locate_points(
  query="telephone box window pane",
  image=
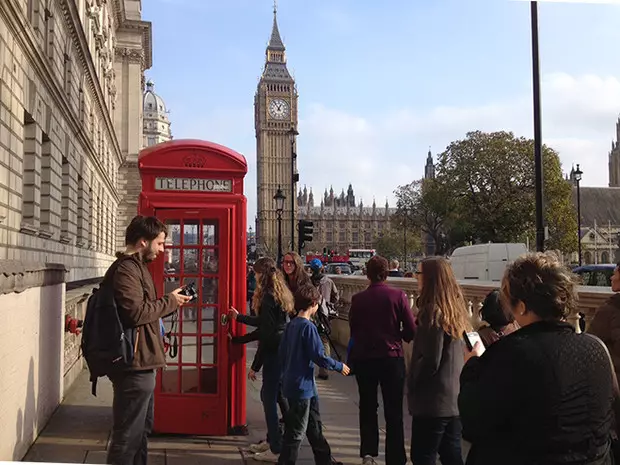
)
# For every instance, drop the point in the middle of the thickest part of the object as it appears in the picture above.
(208, 380)
(190, 232)
(208, 320)
(209, 233)
(209, 290)
(189, 379)
(171, 361)
(210, 264)
(188, 323)
(174, 232)
(190, 261)
(173, 261)
(170, 379)
(208, 351)
(188, 354)
(171, 283)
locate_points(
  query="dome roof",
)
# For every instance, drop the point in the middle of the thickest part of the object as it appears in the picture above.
(152, 101)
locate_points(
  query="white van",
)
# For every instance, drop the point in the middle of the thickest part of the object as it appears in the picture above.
(485, 262)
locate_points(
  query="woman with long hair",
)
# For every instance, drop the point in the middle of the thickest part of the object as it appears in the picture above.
(542, 394)
(293, 267)
(436, 363)
(272, 302)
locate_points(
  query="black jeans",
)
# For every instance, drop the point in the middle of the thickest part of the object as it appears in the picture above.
(303, 418)
(389, 373)
(132, 410)
(430, 436)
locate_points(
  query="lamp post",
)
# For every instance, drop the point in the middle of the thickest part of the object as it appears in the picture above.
(577, 177)
(294, 178)
(538, 165)
(279, 198)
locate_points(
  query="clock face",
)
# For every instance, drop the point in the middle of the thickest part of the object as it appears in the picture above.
(278, 108)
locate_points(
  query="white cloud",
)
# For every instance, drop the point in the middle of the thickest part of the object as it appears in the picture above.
(378, 152)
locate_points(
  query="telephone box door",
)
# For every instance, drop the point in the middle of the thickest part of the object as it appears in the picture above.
(192, 391)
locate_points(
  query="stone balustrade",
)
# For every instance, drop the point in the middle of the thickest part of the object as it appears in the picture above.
(590, 298)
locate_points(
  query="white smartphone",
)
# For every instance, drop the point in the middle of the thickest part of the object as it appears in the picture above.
(471, 339)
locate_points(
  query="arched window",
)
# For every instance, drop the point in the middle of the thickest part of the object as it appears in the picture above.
(605, 257)
(587, 258)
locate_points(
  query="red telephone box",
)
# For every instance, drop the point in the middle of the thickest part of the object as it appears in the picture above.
(196, 188)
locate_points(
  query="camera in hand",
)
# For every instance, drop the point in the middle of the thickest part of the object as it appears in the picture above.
(189, 290)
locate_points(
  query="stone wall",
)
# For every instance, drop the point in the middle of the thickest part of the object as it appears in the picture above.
(32, 301)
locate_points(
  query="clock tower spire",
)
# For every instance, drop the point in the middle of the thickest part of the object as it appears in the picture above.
(275, 118)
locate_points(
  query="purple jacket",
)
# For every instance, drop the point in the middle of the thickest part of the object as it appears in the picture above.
(380, 319)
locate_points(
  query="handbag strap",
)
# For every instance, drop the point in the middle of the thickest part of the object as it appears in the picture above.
(616, 388)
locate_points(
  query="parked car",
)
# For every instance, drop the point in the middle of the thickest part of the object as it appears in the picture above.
(595, 275)
(330, 268)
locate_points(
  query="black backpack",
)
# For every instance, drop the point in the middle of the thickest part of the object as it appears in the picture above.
(106, 345)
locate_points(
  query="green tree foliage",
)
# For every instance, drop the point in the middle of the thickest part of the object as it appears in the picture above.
(391, 243)
(484, 191)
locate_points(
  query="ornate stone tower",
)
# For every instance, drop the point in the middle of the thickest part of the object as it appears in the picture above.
(275, 115)
(614, 159)
(156, 127)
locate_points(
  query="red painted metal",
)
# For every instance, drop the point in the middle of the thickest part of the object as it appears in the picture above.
(202, 391)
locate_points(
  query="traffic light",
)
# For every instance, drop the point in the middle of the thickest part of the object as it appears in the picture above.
(305, 233)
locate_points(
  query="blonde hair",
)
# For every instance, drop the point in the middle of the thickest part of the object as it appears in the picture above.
(441, 300)
(271, 281)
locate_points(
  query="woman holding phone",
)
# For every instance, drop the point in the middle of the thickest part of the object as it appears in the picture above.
(542, 394)
(436, 363)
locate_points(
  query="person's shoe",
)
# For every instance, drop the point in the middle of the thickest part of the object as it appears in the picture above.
(368, 460)
(266, 456)
(262, 446)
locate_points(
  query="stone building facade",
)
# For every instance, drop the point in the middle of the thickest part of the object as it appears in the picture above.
(275, 117)
(339, 223)
(71, 80)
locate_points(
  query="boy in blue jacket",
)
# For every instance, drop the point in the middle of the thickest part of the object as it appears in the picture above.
(300, 349)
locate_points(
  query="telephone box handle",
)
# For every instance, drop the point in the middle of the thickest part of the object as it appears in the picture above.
(224, 319)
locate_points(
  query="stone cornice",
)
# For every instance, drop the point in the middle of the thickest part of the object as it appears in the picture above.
(24, 36)
(144, 28)
(72, 17)
(16, 276)
(132, 55)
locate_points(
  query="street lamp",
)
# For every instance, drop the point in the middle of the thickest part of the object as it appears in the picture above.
(279, 198)
(294, 178)
(577, 177)
(538, 165)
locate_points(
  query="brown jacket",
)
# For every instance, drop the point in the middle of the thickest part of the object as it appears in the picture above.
(139, 307)
(606, 326)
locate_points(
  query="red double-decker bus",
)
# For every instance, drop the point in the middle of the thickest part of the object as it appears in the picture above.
(329, 257)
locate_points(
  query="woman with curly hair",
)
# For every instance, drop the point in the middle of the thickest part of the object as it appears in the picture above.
(542, 394)
(436, 363)
(272, 302)
(293, 267)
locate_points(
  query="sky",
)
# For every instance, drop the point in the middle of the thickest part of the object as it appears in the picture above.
(382, 82)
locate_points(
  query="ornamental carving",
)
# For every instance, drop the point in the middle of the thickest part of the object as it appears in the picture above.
(194, 161)
(132, 55)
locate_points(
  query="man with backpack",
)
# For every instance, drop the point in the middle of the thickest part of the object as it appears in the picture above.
(140, 311)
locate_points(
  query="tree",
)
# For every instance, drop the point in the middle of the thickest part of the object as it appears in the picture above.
(484, 191)
(391, 243)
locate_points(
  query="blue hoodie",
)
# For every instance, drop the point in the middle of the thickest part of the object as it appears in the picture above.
(300, 349)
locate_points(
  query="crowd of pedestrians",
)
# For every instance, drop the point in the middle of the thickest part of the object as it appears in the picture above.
(530, 391)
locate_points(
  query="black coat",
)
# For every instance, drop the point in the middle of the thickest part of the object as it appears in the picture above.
(436, 363)
(541, 395)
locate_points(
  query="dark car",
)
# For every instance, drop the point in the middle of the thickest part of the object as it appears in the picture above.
(345, 268)
(595, 275)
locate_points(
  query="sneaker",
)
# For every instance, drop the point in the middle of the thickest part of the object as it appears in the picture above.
(368, 460)
(262, 446)
(266, 456)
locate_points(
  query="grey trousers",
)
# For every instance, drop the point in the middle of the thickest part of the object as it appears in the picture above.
(132, 410)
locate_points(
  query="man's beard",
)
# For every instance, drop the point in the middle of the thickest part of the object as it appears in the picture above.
(148, 256)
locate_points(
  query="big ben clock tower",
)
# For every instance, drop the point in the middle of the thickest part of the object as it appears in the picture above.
(275, 119)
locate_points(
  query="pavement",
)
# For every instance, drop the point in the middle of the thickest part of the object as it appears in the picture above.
(79, 431)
